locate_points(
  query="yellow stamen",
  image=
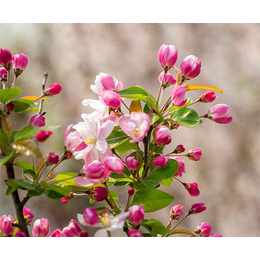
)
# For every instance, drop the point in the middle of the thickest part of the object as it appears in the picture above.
(105, 220)
(135, 133)
(90, 140)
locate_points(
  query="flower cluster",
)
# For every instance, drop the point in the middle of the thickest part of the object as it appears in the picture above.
(118, 144)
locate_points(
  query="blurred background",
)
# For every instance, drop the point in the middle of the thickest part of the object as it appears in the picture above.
(73, 54)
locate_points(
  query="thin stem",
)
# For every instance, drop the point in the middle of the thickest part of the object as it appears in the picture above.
(158, 101)
(125, 105)
(177, 224)
(113, 204)
(128, 202)
(45, 76)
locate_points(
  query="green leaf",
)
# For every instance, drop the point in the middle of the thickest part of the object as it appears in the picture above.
(169, 170)
(20, 184)
(155, 227)
(119, 141)
(9, 93)
(21, 105)
(52, 194)
(153, 118)
(24, 165)
(9, 190)
(114, 195)
(67, 179)
(7, 158)
(153, 180)
(152, 199)
(136, 92)
(64, 191)
(167, 182)
(3, 140)
(125, 146)
(186, 117)
(30, 172)
(34, 193)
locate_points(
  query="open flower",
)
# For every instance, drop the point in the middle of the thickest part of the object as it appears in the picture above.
(107, 221)
(135, 125)
(94, 135)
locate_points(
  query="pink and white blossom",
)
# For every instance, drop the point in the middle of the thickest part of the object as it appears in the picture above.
(94, 135)
(107, 221)
(135, 125)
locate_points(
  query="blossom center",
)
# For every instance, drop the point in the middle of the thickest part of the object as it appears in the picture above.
(105, 220)
(90, 140)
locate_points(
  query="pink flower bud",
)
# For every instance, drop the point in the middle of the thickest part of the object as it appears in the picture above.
(90, 216)
(192, 188)
(181, 167)
(168, 79)
(203, 229)
(114, 164)
(27, 213)
(3, 74)
(53, 158)
(219, 114)
(131, 163)
(162, 135)
(215, 235)
(136, 214)
(56, 233)
(66, 199)
(178, 96)
(20, 62)
(194, 154)
(167, 56)
(99, 193)
(197, 208)
(84, 234)
(131, 191)
(135, 125)
(173, 125)
(161, 161)
(9, 108)
(207, 97)
(6, 225)
(37, 121)
(95, 170)
(179, 149)
(20, 233)
(176, 212)
(111, 98)
(41, 228)
(190, 66)
(134, 233)
(72, 230)
(6, 58)
(53, 89)
(42, 135)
